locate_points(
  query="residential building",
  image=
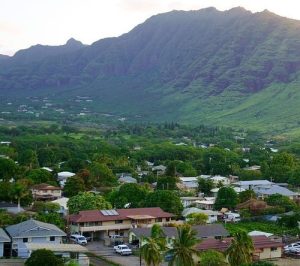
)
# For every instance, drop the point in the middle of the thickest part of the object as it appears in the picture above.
(212, 215)
(207, 203)
(11, 207)
(4, 239)
(63, 176)
(159, 169)
(189, 182)
(101, 224)
(217, 179)
(264, 248)
(46, 192)
(187, 201)
(32, 231)
(127, 179)
(63, 203)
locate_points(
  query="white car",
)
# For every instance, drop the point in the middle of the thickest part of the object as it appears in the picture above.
(123, 250)
(292, 246)
(79, 239)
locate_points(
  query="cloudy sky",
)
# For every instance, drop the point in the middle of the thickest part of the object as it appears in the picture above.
(27, 22)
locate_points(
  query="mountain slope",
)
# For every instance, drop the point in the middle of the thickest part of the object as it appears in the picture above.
(203, 66)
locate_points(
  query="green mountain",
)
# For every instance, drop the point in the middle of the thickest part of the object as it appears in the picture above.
(232, 68)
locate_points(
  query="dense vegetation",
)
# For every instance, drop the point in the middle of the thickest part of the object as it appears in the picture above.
(205, 66)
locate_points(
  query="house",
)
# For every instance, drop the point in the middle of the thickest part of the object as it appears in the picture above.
(215, 191)
(101, 224)
(32, 231)
(159, 169)
(11, 207)
(212, 231)
(63, 176)
(212, 215)
(265, 191)
(252, 168)
(127, 179)
(189, 182)
(187, 201)
(220, 179)
(4, 240)
(207, 203)
(46, 192)
(63, 203)
(264, 248)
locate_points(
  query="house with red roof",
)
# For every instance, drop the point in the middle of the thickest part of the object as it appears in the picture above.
(101, 224)
(264, 247)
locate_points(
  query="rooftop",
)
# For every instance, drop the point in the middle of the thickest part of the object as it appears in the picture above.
(45, 186)
(57, 247)
(3, 236)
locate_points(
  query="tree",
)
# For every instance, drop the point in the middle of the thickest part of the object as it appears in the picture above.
(183, 251)
(8, 169)
(197, 218)
(241, 249)
(132, 193)
(51, 217)
(5, 218)
(19, 191)
(168, 200)
(28, 158)
(246, 195)
(212, 258)
(73, 186)
(101, 175)
(281, 201)
(166, 183)
(205, 185)
(154, 245)
(87, 201)
(39, 176)
(43, 257)
(226, 198)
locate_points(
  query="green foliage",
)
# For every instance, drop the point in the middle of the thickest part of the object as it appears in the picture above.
(197, 218)
(290, 221)
(205, 185)
(87, 201)
(8, 169)
(129, 193)
(212, 258)
(73, 186)
(167, 200)
(101, 175)
(281, 201)
(39, 176)
(166, 183)
(226, 198)
(52, 218)
(246, 195)
(183, 250)
(43, 257)
(241, 249)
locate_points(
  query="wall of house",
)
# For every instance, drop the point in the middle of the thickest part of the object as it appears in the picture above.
(268, 254)
(23, 251)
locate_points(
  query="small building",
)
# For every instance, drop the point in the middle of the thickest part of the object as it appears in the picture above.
(212, 215)
(46, 192)
(159, 169)
(11, 207)
(220, 179)
(189, 182)
(265, 191)
(32, 231)
(127, 179)
(63, 176)
(63, 203)
(207, 203)
(4, 240)
(188, 201)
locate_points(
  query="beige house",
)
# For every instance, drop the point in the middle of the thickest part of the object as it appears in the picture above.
(46, 192)
(102, 224)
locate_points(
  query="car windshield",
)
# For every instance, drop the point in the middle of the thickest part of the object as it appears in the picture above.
(81, 238)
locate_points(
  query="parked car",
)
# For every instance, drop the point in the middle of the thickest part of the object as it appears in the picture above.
(292, 246)
(79, 239)
(232, 217)
(123, 250)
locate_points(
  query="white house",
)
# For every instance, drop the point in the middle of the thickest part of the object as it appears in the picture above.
(189, 182)
(212, 215)
(63, 203)
(187, 201)
(63, 176)
(207, 203)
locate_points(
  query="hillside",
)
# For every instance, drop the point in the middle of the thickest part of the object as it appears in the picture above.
(233, 68)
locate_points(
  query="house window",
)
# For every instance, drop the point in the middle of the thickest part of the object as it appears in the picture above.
(52, 238)
(273, 249)
(119, 221)
(25, 240)
(158, 220)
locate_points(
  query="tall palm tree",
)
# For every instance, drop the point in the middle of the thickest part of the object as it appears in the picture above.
(183, 250)
(155, 245)
(241, 249)
(19, 191)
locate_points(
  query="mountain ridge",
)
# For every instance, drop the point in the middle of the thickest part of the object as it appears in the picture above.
(197, 66)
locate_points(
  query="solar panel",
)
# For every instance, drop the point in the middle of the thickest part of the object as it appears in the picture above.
(109, 212)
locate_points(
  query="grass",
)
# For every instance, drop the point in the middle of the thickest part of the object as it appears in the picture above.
(90, 254)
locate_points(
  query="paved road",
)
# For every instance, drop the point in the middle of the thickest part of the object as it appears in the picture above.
(99, 249)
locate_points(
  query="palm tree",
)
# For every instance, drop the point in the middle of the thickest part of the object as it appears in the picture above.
(152, 250)
(19, 191)
(183, 250)
(241, 249)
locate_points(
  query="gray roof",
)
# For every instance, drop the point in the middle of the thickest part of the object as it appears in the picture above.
(3, 236)
(274, 189)
(254, 183)
(127, 179)
(203, 231)
(33, 228)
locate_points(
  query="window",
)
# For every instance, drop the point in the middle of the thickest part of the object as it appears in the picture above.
(25, 240)
(52, 238)
(119, 221)
(158, 220)
(273, 249)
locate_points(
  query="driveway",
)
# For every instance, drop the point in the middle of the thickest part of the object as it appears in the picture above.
(99, 249)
